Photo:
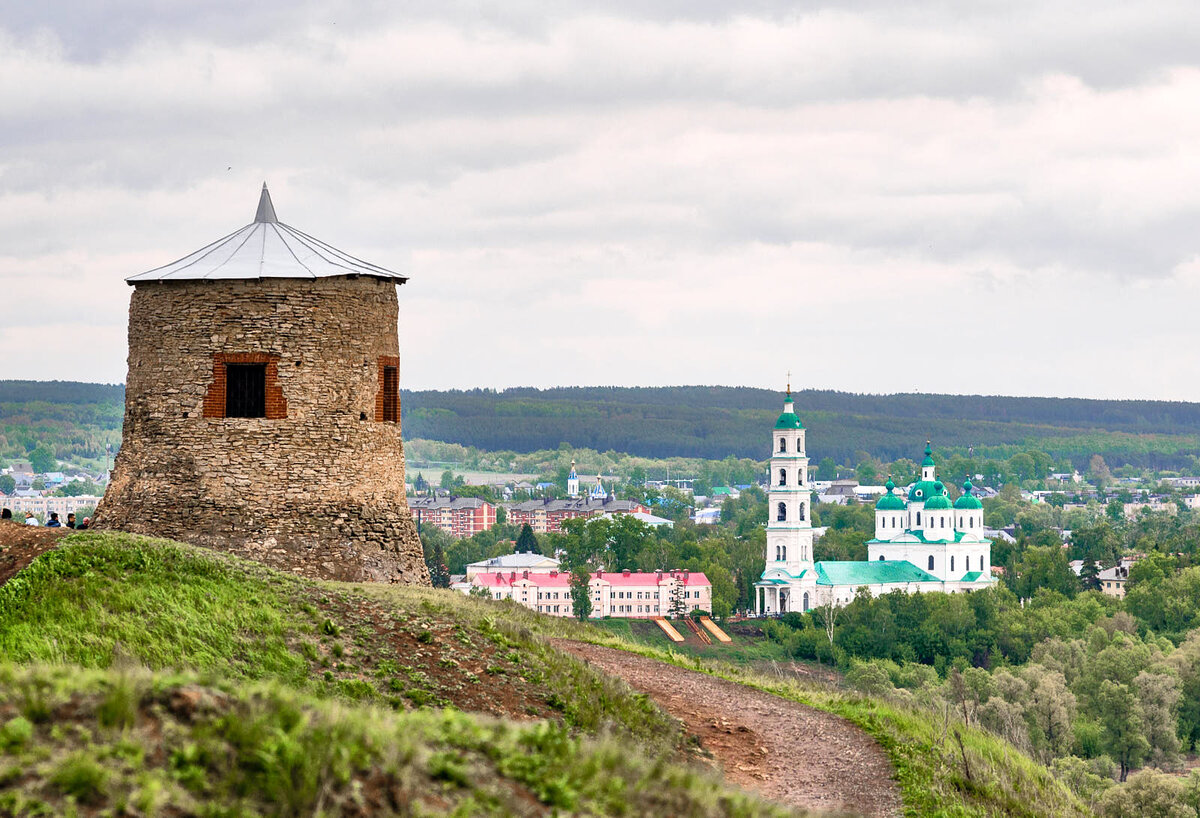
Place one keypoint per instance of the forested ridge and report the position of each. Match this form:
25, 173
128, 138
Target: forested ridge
695, 421
715, 422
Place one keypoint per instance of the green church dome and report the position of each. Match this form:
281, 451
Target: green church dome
968, 501
928, 461
937, 502
789, 419
921, 492
890, 501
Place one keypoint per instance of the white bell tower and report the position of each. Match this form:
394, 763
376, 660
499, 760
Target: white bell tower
572, 482
789, 512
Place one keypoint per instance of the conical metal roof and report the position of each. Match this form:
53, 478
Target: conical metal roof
266, 248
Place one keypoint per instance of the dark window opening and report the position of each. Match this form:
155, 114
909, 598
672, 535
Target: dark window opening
391, 394
782, 515
245, 390
931, 563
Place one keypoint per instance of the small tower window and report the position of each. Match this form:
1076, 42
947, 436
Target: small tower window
802, 512
783, 553
931, 562
391, 394
968, 562
783, 444
783, 477
245, 390
782, 513
952, 563
918, 518
881, 557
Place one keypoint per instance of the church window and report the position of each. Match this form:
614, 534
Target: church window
783, 444
931, 562
245, 390
943, 519
952, 563
783, 477
781, 516
968, 562
783, 553
918, 518
802, 512
806, 600
881, 557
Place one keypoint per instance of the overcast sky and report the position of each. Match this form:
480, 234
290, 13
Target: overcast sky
1000, 200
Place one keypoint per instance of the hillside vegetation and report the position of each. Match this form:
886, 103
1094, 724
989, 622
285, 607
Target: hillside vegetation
208, 679
155, 677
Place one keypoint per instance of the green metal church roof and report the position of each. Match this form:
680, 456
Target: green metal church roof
890, 501
871, 573
972, 576
968, 501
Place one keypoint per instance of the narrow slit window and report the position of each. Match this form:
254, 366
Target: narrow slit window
391, 394
245, 390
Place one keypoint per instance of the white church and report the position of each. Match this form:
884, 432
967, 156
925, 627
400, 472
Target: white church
924, 543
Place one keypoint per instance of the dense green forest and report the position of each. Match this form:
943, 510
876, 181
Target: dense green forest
715, 422
76, 420
70, 421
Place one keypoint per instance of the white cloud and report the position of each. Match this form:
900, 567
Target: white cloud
648, 193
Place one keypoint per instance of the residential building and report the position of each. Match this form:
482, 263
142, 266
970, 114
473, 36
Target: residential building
925, 543
457, 516
546, 515
1113, 580
42, 506
506, 563
622, 594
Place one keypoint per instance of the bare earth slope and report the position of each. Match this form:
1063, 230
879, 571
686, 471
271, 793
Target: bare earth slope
785, 751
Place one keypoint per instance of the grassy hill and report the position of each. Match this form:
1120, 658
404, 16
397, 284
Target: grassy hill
712, 422
155, 677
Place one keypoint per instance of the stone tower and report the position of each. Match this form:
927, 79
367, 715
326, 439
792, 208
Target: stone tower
262, 408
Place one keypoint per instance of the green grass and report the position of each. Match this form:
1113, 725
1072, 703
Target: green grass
219, 748
101, 600
741, 650
109, 601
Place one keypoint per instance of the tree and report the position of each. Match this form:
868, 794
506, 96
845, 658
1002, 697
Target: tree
1043, 567
439, 575
827, 469
38, 484
677, 607
1158, 698
501, 515
42, 459
1050, 710
1147, 794
527, 541
1098, 471
581, 592
7, 484
1123, 736
77, 488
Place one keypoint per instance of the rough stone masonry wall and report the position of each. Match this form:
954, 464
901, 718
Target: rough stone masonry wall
320, 491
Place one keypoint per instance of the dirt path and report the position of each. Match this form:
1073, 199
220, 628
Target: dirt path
785, 751
20, 544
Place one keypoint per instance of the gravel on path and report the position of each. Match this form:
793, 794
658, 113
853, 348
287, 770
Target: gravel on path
783, 750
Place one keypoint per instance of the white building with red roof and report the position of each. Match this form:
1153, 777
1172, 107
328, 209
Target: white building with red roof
622, 594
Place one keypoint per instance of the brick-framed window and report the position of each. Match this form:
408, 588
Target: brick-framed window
387, 401
246, 372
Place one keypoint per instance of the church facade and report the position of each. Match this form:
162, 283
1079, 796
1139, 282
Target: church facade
925, 543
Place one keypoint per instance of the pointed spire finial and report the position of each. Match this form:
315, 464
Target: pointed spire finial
266, 210
789, 384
